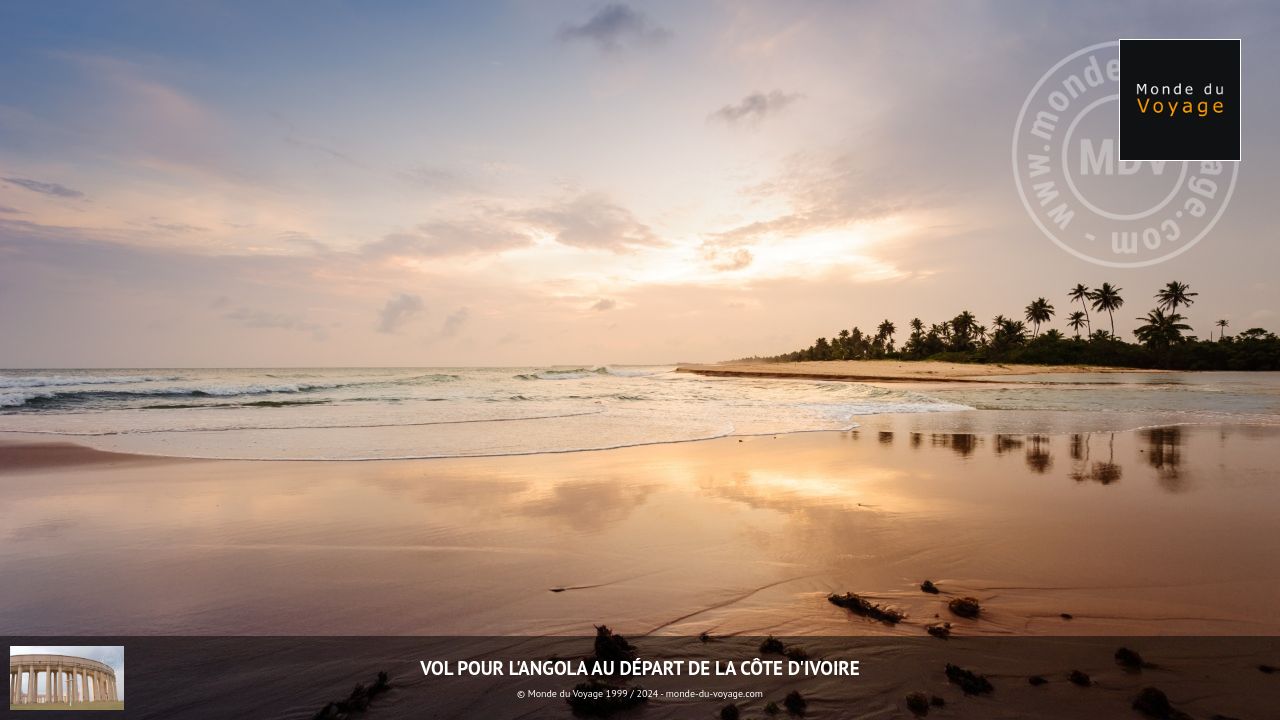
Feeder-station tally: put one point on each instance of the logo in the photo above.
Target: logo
(1082, 196)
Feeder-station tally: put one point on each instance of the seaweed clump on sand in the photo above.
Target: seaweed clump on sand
(1037, 680)
(1130, 659)
(797, 653)
(795, 703)
(965, 607)
(919, 703)
(772, 646)
(929, 587)
(970, 682)
(1268, 669)
(611, 646)
(1079, 678)
(939, 630)
(861, 606)
(729, 712)
(595, 698)
(1154, 703)
(357, 702)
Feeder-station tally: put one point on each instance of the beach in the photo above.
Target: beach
(890, 370)
(1068, 522)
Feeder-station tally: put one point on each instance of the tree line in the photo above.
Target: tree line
(1164, 338)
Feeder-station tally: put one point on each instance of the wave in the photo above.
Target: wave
(64, 380)
(586, 372)
(65, 397)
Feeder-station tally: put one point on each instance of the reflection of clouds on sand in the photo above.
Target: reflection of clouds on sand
(587, 506)
(640, 536)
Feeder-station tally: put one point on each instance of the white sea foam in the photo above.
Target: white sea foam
(370, 413)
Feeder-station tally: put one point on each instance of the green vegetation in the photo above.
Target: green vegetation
(1164, 339)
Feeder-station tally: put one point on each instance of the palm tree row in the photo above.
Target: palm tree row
(1162, 328)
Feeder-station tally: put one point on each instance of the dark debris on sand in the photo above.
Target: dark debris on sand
(611, 646)
(772, 646)
(939, 630)
(971, 683)
(357, 702)
(919, 703)
(1037, 680)
(861, 606)
(596, 698)
(965, 607)
(1154, 703)
(929, 587)
(1130, 659)
(1079, 678)
(729, 712)
(1268, 669)
(795, 703)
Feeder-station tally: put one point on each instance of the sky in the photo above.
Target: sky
(112, 655)
(532, 182)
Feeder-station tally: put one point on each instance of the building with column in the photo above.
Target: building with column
(62, 679)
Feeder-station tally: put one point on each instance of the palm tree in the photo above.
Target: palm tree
(885, 332)
(1077, 320)
(1222, 329)
(1174, 294)
(963, 326)
(1080, 294)
(1107, 298)
(1039, 311)
(1160, 330)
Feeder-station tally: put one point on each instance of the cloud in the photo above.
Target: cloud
(604, 304)
(827, 194)
(727, 260)
(45, 188)
(593, 222)
(755, 107)
(10, 210)
(302, 241)
(256, 318)
(614, 27)
(401, 308)
(447, 238)
(455, 322)
(176, 227)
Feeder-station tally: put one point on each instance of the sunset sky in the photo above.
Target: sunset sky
(536, 182)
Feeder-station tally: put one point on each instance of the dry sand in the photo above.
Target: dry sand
(889, 370)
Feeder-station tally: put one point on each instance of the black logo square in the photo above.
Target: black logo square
(1179, 99)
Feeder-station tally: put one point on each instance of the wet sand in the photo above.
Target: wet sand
(1161, 530)
(889, 370)
(1137, 528)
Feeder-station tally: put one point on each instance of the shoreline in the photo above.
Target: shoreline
(896, 370)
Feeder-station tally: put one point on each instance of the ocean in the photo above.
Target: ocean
(376, 413)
